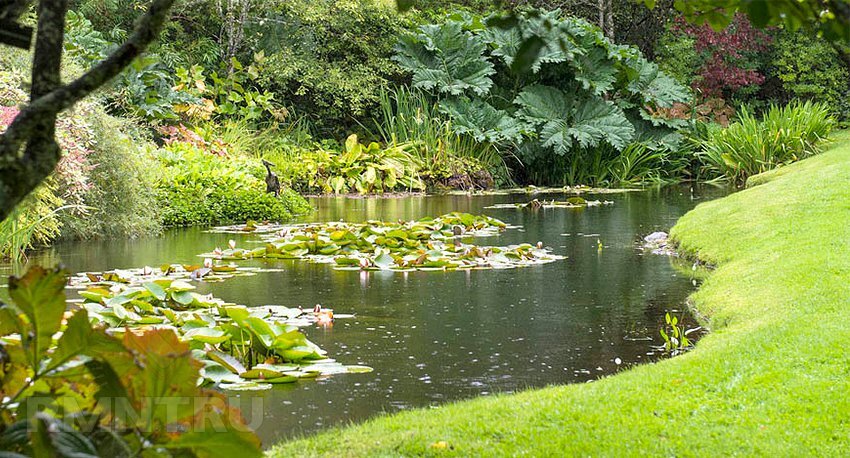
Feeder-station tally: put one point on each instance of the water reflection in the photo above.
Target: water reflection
(434, 337)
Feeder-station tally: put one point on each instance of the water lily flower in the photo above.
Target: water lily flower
(539, 245)
(217, 251)
(208, 263)
(232, 244)
(364, 263)
(325, 318)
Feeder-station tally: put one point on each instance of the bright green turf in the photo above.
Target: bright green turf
(772, 378)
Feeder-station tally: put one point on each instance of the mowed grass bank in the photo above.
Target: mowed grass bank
(772, 378)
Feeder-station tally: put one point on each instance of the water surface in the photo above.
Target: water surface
(434, 337)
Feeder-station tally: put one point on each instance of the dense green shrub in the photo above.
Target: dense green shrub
(121, 197)
(810, 69)
(198, 188)
(354, 167)
(579, 92)
(751, 146)
(329, 59)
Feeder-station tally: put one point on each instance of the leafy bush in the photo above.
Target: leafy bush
(121, 199)
(751, 146)
(329, 59)
(196, 187)
(581, 91)
(810, 69)
(360, 168)
(98, 392)
(231, 94)
(144, 89)
(730, 60)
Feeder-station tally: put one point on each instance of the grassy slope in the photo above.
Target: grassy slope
(772, 378)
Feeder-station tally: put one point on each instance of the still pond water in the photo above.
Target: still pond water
(434, 337)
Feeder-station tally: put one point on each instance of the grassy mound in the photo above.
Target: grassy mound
(771, 379)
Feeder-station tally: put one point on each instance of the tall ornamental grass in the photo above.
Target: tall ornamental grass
(407, 115)
(751, 146)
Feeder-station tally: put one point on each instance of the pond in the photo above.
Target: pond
(434, 337)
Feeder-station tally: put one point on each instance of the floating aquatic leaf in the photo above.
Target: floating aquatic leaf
(260, 374)
(207, 335)
(228, 362)
(427, 244)
(155, 289)
(245, 386)
(354, 369)
(217, 373)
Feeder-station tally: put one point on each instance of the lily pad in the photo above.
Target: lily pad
(245, 386)
(260, 374)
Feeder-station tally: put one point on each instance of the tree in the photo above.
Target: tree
(28, 147)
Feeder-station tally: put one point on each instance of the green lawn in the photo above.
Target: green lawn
(772, 378)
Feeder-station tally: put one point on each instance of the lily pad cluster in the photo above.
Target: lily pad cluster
(240, 347)
(571, 202)
(426, 244)
(442, 227)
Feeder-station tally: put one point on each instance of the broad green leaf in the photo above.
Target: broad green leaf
(39, 295)
(211, 443)
(155, 289)
(207, 335)
(446, 58)
(80, 338)
(260, 374)
(228, 362)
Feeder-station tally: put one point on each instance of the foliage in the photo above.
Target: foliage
(144, 89)
(120, 199)
(580, 91)
(364, 169)
(637, 164)
(231, 94)
(829, 17)
(727, 58)
(751, 146)
(328, 59)
(240, 348)
(196, 187)
(156, 91)
(431, 244)
(94, 392)
(810, 69)
(33, 223)
(449, 159)
(37, 220)
(675, 335)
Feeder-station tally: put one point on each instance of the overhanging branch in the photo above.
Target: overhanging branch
(27, 127)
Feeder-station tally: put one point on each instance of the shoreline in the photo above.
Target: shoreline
(767, 380)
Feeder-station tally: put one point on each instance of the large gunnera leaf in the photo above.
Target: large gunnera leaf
(482, 121)
(445, 58)
(567, 119)
(652, 85)
(554, 40)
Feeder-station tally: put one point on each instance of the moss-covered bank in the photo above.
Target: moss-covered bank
(771, 379)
